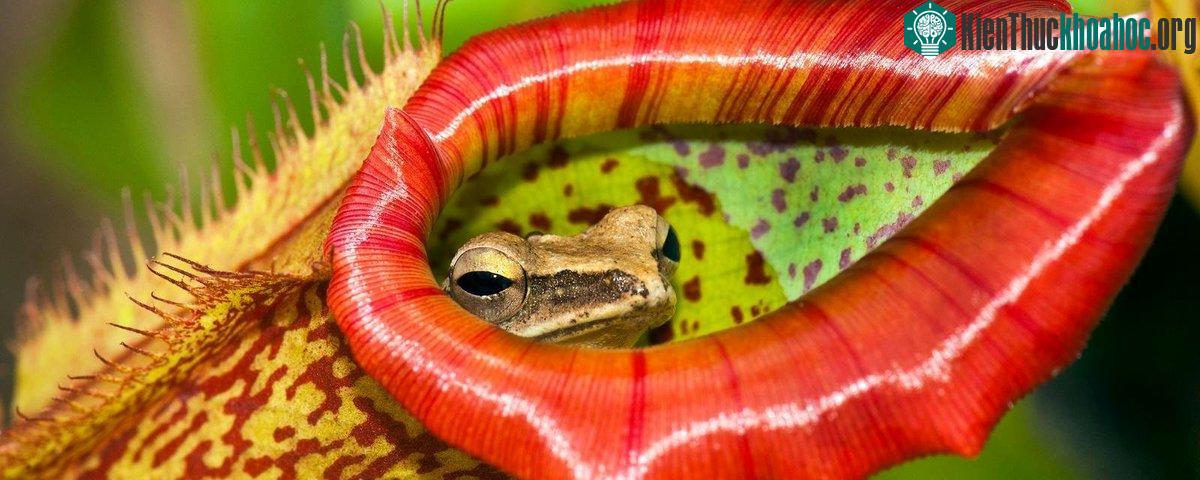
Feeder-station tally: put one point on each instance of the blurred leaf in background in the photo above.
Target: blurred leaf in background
(80, 101)
(121, 94)
(100, 95)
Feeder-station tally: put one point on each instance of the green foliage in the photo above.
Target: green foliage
(94, 97)
(78, 101)
(1018, 448)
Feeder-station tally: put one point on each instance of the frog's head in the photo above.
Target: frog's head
(601, 288)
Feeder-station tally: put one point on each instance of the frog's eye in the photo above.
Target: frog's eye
(668, 243)
(670, 246)
(482, 284)
(487, 283)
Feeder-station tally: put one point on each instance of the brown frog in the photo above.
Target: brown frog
(602, 288)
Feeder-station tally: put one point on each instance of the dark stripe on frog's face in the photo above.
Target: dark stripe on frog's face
(570, 287)
(567, 297)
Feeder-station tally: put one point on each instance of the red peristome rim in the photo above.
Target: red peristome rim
(917, 348)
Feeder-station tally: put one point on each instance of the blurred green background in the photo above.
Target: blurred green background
(100, 95)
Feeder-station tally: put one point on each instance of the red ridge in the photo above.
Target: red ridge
(931, 373)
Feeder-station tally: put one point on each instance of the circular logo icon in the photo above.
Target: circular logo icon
(929, 29)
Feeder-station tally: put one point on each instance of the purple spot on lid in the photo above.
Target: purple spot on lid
(957, 176)
(810, 274)
(819, 156)
(885, 232)
(815, 193)
(829, 224)
(844, 261)
(743, 160)
(681, 147)
(801, 219)
(918, 201)
(860, 162)
(889, 186)
(791, 270)
(909, 163)
(778, 200)
(891, 154)
(851, 192)
(788, 169)
(558, 157)
(857, 228)
(761, 228)
(713, 157)
(940, 166)
(837, 152)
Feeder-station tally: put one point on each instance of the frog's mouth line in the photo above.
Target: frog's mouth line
(577, 330)
(620, 330)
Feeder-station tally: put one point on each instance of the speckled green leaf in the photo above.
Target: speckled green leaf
(764, 213)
